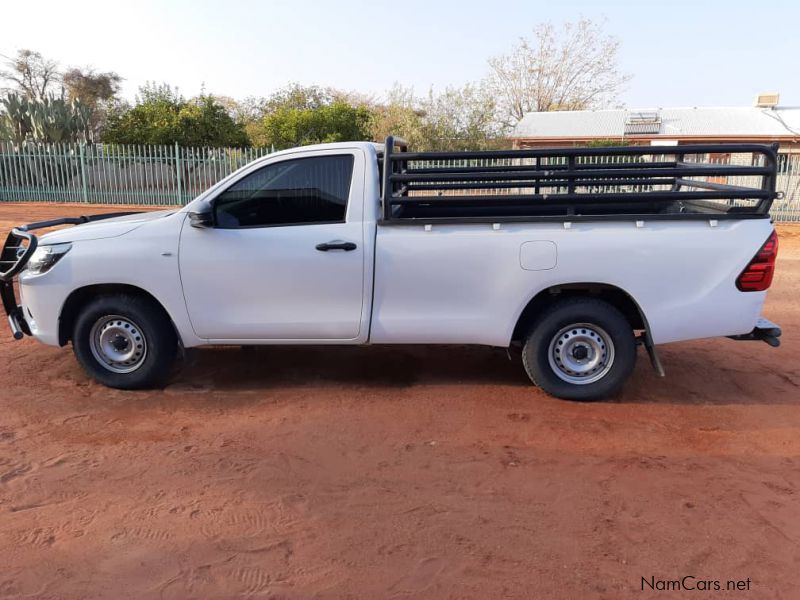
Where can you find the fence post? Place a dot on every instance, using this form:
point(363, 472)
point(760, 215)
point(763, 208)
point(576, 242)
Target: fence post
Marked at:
point(178, 171)
point(83, 173)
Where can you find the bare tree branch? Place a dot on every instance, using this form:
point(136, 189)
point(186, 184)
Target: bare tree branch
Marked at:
point(573, 68)
point(31, 74)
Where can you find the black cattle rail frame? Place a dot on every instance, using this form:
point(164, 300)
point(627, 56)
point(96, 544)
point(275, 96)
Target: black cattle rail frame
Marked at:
point(576, 184)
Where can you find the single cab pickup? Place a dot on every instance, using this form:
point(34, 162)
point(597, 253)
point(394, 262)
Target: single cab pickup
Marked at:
point(575, 256)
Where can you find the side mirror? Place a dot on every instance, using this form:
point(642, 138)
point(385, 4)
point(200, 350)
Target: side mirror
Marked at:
point(201, 220)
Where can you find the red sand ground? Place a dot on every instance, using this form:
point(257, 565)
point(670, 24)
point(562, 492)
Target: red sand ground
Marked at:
point(400, 472)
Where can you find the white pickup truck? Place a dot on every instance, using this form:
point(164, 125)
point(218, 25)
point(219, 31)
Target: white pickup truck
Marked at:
point(573, 255)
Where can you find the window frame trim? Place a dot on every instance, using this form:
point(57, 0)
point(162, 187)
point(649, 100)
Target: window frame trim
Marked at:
point(300, 155)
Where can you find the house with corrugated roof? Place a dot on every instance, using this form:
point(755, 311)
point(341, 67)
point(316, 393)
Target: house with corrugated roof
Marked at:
point(766, 122)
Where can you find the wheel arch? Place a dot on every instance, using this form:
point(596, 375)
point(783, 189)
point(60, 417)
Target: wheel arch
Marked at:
point(614, 295)
point(80, 296)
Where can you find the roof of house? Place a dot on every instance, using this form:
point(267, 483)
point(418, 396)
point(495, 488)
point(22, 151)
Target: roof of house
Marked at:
point(677, 122)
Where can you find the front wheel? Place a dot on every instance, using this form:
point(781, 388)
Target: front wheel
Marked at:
point(580, 349)
point(125, 341)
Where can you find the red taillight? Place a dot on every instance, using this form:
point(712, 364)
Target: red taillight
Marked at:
point(757, 276)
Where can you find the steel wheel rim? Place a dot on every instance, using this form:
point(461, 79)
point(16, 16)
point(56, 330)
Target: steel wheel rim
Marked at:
point(118, 344)
point(581, 353)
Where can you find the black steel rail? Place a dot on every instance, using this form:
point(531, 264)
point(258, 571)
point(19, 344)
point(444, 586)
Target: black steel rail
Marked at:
point(604, 183)
point(15, 255)
point(21, 244)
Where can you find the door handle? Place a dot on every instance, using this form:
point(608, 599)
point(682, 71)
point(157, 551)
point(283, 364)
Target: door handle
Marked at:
point(336, 245)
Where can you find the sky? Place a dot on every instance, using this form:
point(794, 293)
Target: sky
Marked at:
point(680, 53)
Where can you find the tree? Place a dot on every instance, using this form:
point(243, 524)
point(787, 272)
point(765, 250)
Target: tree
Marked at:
point(152, 119)
point(400, 115)
point(161, 115)
point(573, 68)
point(455, 119)
point(460, 119)
point(31, 74)
point(89, 86)
point(203, 121)
point(96, 91)
point(80, 93)
point(299, 115)
point(336, 122)
point(299, 97)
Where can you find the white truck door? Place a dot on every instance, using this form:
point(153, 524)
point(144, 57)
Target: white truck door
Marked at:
point(285, 257)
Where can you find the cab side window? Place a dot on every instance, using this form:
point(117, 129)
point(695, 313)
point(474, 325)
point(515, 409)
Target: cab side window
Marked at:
point(301, 191)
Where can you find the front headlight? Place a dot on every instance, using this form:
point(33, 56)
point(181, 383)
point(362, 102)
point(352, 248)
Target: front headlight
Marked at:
point(44, 257)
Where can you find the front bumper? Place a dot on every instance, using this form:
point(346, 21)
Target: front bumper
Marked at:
point(16, 317)
point(765, 331)
point(14, 256)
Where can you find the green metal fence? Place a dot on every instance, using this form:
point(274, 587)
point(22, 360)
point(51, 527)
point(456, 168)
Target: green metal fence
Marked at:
point(134, 174)
point(114, 174)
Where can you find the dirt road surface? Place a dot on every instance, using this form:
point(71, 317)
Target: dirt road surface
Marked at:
point(401, 473)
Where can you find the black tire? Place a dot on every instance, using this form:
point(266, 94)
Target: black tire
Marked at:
point(541, 353)
point(150, 329)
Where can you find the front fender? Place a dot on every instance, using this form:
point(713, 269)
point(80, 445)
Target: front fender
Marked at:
point(145, 259)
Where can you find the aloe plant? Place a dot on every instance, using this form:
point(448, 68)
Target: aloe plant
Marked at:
point(39, 123)
point(15, 122)
point(51, 120)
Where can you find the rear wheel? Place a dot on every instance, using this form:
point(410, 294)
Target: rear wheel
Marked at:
point(125, 341)
point(580, 349)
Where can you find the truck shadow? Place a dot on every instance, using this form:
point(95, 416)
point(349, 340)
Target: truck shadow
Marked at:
point(698, 373)
point(378, 366)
